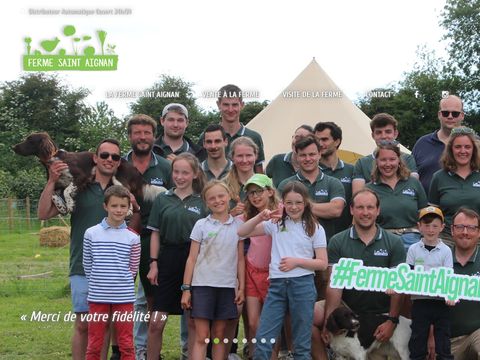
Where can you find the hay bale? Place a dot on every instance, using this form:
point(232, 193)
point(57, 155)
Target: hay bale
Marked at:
point(55, 236)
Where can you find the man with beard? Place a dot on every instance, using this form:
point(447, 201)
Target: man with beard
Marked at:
point(329, 135)
point(216, 166)
point(155, 171)
point(465, 315)
point(88, 212)
point(376, 247)
point(172, 141)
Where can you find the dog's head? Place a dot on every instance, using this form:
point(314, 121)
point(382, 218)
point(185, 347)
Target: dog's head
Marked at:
point(342, 320)
point(39, 144)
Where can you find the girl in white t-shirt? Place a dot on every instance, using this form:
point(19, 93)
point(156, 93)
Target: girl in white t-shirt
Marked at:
point(298, 249)
point(212, 285)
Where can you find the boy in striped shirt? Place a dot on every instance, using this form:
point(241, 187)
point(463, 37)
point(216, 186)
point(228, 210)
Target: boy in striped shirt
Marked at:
point(111, 255)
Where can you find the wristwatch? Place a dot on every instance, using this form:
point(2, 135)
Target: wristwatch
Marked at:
point(151, 260)
point(185, 287)
point(393, 319)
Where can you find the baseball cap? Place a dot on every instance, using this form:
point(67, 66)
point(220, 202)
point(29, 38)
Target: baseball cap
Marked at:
point(179, 107)
point(260, 180)
point(430, 210)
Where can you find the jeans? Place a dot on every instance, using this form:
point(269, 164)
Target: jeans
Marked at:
point(410, 239)
point(296, 295)
point(140, 328)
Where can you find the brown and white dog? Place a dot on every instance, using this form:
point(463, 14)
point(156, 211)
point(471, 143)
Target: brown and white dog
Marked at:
point(81, 170)
point(352, 336)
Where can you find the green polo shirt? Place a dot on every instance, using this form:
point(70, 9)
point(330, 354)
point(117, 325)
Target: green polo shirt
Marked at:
point(323, 190)
point(243, 131)
point(280, 167)
point(174, 218)
point(88, 212)
point(344, 173)
point(167, 150)
point(208, 173)
point(385, 250)
point(399, 206)
point(450, 191)
point(465, 315)
point(158, 173)
point(363, 166)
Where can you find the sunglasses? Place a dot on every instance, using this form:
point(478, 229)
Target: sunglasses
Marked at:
point(106, 155)
point(446, 113)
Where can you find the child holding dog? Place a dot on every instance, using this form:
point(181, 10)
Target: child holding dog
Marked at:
point(111, 255)
point(430, 252)
point(296, 239)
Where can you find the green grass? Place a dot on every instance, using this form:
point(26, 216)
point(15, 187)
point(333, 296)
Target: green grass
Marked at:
point(21, 254)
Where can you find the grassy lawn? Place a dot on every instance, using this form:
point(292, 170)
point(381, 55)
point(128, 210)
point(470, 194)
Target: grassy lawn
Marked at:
point(21, 254)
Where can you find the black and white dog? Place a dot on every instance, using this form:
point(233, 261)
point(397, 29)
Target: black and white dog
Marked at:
point(81, 169)
point(352, 336)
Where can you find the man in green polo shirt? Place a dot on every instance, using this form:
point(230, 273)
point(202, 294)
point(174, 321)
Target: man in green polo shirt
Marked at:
point(384, 128)
point(329, 135)
point(88, 212)
point(282, 166)
point(216, 166)
point(325, 191)
point(376, 247)
point(230, 104)
point(465, 315)
point(155, 171)
point(172, 140)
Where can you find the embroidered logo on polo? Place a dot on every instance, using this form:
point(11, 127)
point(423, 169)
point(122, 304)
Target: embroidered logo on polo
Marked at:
point(156, 181)
point(409, 192)
point(476, 184)
point(194, 209)
point(321, 192)
point(345, 179)
point(380, 252)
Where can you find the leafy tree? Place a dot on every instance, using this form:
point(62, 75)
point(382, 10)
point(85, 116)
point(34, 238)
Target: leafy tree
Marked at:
point(251, 109)
point(414, 100)
point(99, 123)
point(461, 20)
point(36, 102)
point(155, 101)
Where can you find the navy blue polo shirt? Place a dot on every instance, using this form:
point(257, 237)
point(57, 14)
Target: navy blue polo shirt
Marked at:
point(427, 152)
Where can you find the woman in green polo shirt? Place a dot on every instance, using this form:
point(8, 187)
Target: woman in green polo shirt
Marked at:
point(401, 195)
point(457, 184)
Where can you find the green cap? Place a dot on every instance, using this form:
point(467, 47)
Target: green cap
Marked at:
point(260, 180)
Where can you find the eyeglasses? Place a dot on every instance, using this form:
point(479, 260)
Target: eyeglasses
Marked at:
point(106, 155)
point(446, 113)
point(470, 228)
point(257, 192)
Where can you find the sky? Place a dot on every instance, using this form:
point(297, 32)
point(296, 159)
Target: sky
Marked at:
point(260, 46)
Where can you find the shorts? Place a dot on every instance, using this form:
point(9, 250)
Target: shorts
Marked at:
point(79, 289)
point(167, 295)
point(213, 303)
point(256, 281)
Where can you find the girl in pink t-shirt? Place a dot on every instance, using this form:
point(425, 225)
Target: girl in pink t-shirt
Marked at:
point(260, 196)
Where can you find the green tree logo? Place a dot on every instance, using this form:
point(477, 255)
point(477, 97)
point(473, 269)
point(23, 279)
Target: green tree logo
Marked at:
point(85, 52)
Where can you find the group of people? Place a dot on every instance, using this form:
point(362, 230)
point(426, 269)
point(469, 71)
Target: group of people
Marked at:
point(223, 240)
